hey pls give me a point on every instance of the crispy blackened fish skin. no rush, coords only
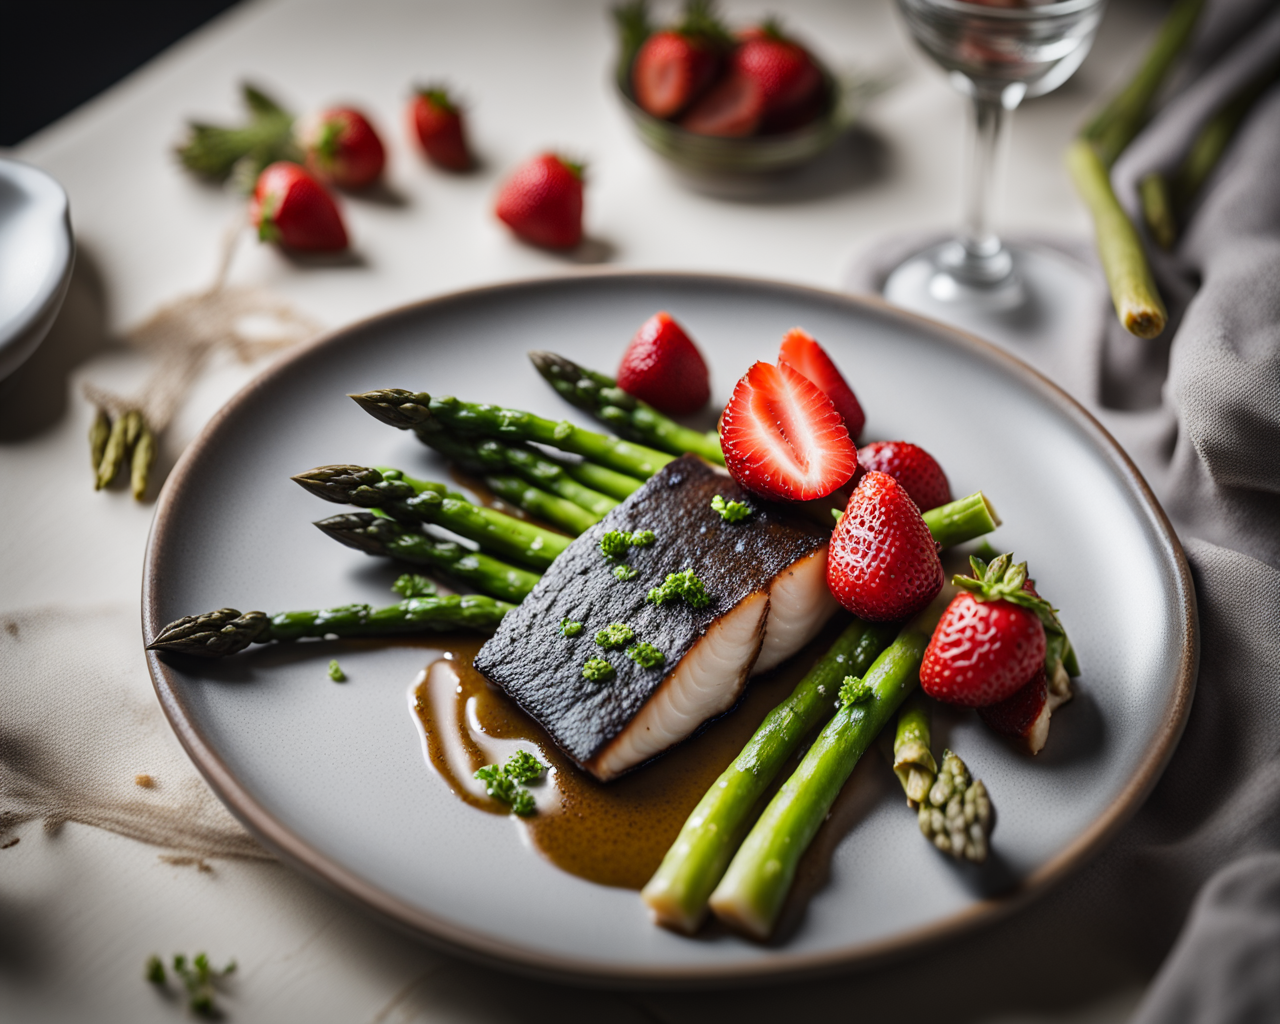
(610, 726)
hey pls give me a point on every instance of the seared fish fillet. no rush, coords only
(766, 580)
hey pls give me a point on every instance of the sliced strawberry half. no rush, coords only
(802, 352)
(782, 437)
(733, 108)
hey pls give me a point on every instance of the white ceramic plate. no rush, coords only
(333, 777)
(36, 254)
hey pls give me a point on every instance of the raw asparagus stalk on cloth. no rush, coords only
(227, 631)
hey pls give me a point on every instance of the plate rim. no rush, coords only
(453, 938)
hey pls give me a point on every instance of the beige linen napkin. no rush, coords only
(82, 738)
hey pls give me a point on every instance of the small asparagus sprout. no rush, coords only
(197, 977)
(570, 628)
(680, 585)
(958, 817)
(335, 671)
(600, 395)
(731, 511)
(913, 762)
(140, 463)
(506, 783)
(410, 584)
(99, 431)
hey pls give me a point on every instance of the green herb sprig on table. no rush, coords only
(197, 977)
(335, 671)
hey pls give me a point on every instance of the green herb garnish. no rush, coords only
(646, 655)
(617, 635)
(681, 585)
(597, 670)
(412, 585)
(197, 977)
(506, 782)
(731, 511)
(615, 544)
(335, 671)
(570, 628)
(624, 573)
(854, 691)
(643, 538)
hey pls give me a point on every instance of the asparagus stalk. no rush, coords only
(115, 450)
(677, 893)
(99, 432)
(1157, 209)
(957, 817)
(501, 534)
(1089, 158)
(227, 631)
(480, 456)
(758, 878)
(600, 395)
(913, 761)
(408, 410)
(376, 535)
(1133, 290)
(539, 503)
(140, 463)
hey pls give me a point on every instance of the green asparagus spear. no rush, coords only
(117, 449)
(1133, 290)
(500, 534)
(957, 817)
(480, 456)
(407, 411)
(758, 878)
(226, 631)
(144, 456)
(631, 418)
(99, 431)
(1157, 209)
(913, 761)
(539, 503)
(1089, 158)
(677, 893)
(375, 535)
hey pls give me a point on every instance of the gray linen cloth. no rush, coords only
(1199, 410)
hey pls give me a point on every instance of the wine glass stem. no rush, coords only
(989, 118)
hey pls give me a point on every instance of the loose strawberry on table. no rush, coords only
(802, 352)
(676, 66)
(542, 202)
(341, 147)
(782, 438)
(437, 123)
(290, 207)
(911, 466)
(663, 367)
(883, 562)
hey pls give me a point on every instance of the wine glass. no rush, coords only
(997, 55)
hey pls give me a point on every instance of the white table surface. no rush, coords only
(81, 910)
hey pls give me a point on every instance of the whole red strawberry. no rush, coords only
(789, 78)
(542, 202)
(883, 562)
(290, 207)
(782, 437)
(732, 109)
(663, 367)
(991, 638)
(911, 466)
(674, 67)
(438, 124)
(801, 352)
(341, 148)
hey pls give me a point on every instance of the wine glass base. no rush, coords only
(1047, 298)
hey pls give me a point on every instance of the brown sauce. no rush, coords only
(613, 834)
